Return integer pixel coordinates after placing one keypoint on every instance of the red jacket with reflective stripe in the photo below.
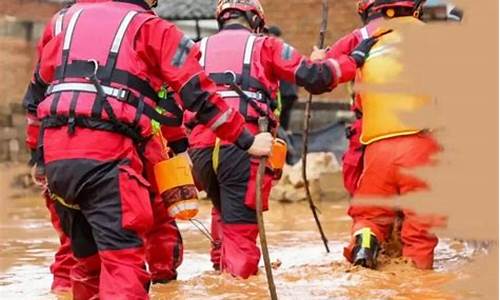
(158, 53)
(271, 60)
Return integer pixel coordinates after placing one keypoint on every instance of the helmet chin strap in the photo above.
(254, 21)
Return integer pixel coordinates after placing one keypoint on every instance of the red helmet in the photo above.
(251, 6)
(378, 5)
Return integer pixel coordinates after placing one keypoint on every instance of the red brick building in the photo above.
(300, 22)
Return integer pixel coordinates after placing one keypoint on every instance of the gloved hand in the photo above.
(262, 144)
(38, 176)
(361, 52)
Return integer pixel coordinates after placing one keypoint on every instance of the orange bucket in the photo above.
(173, 177)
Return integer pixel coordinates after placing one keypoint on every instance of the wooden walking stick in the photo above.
(307, 121)
(263, 126)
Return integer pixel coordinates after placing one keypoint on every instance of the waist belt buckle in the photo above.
(124, 95)
(259, 96)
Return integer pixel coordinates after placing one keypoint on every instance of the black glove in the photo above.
(362, 51)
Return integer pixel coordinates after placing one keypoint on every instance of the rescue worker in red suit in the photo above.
(164, 248)
(388, 147)
(256, 63)
(94, 92)
(352, 164)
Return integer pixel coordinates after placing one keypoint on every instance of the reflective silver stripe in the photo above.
(59, 23)
(203, 50)
(71, 28)
(233, 94)
(362, 54)
(222, 119)
(180, 206)
(286, 53)
(86, 87)
(247, 59)
(121, 31)
(182, 52)
(382, 50)
(338, 70)
(364, 33)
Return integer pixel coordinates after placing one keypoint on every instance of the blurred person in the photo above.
(381, 147)
(95, 103)
(247, 68)
(164, 248)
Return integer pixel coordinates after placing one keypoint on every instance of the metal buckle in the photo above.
(124, 95)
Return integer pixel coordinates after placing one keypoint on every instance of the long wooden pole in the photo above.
(263, 127)
(307, 121)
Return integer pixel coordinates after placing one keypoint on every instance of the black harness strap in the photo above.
(246, 72)
(139, 111)
(54, 104)
(72, 114)
(80, 67)
(125, 96)
(243, 80)
(92, 123)
(115, 47)
(68, 37)
(58, 26)
(253, 83)
(109, 74)
(105, 77)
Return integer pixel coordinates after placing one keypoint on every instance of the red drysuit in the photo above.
(97, 140)
(258, 63)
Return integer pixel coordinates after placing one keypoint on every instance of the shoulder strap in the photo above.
(203, 50)
(115, 47)
(58, 26)
(247, 62)
(68, 37)
(364, 33)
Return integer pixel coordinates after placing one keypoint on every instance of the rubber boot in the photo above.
(366, 249)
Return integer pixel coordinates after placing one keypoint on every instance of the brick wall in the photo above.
(32, 10)
(298, 19)
(19, 21)
(300, 22)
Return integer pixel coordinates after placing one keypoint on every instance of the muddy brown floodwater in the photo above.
(306, 271)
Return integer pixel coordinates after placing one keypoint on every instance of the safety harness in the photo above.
(244, 86)
(99, 80)
(251, 89)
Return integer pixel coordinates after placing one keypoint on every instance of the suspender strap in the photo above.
(139, 111)
(58, 26)
(72, 114)
(115, 47)
(54, 104)
(247, 62)
(80, 68)
(68, 37)
(246, 71)
(253, 83)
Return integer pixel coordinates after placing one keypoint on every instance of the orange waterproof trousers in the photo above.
(384, 175)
